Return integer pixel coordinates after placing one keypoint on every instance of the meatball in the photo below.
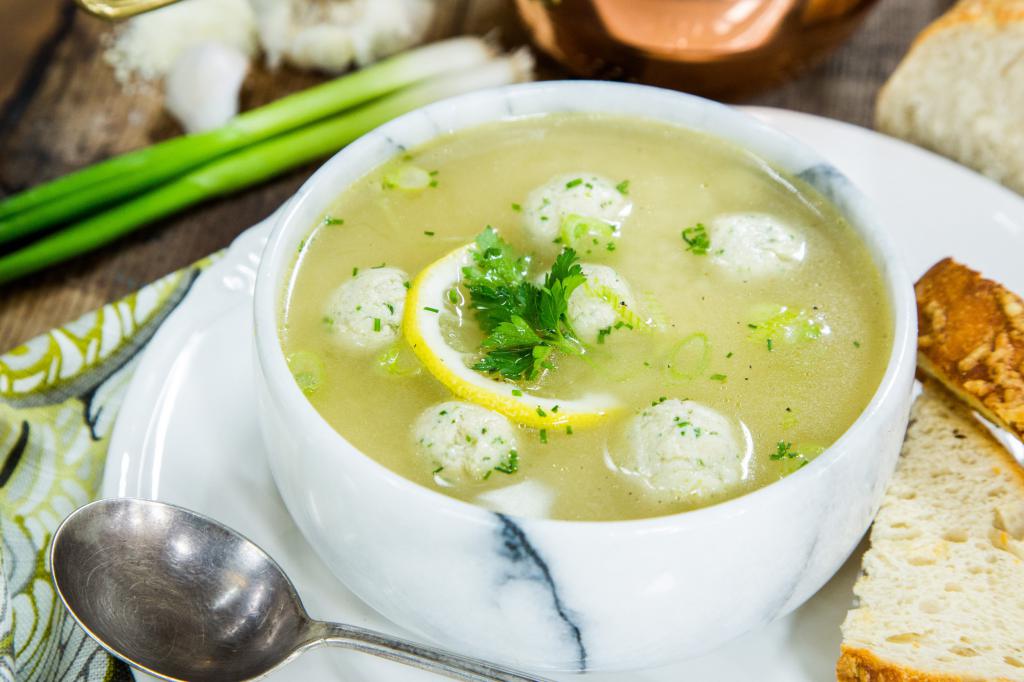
(366, 311)
(602, 302)
(755, 244)
(462, 441)
(577, 210)
(683, 449)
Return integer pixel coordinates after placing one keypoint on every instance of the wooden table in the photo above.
(62, 109)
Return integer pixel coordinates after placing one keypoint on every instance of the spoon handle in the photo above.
(428, 658)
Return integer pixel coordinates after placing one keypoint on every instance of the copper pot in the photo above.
(724, 49)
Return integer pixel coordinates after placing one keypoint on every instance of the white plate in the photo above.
(188, 434)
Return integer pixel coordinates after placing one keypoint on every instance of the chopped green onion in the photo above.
(308, 370)
(407, 177)
(690, 357)
(583, 233)
(398, 361)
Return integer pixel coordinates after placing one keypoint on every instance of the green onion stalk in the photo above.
(253, 165)
(99, 185)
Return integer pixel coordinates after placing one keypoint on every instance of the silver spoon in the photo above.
(182, 597)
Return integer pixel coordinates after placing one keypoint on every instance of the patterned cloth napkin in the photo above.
(59, 396)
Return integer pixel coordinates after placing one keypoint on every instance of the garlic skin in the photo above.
(203, 85)
(147, 46)
(333, 35)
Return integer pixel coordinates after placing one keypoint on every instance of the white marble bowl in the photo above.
(559, 595)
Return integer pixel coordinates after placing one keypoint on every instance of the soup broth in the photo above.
(731, 325)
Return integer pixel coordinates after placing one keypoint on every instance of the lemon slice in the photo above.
(421, 326)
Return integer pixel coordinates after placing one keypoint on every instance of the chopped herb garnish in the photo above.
(541, 412)
(568, 429)
(453, 296)
(787, 325)
(428, 233)
(697, 240)
(524, 323)
(431, 310)
(331, 220)
(554, 410)
(623, 187)
(438, 470)
(516, 207)
(378, 267)
(327, 320)
(856, 344)
(516, 392)
(376, 324)
(574, 183)
(769, 342)
(784, 450)
(355, 271)
(543, 435)
(406, 284)
(391, 308)
(718, 377)
(728, 355)
(602, 333)
(509, 465)
(302, 245)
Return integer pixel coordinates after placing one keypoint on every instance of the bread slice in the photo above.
(960, 89)
(971, 338)
(941, 595)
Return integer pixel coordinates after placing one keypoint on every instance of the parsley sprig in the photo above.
(524, 323)
(697, 240)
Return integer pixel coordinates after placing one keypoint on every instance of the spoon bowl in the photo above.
(182, 597)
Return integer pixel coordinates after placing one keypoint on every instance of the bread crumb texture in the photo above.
(960, 89)
(941, 594)
(971, 338)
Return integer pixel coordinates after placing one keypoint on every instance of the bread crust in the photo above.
(860, 665)
(995, 13)
(971, 338)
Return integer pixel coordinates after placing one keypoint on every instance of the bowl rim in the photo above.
(276, 265)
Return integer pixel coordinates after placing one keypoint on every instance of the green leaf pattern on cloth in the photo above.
(59, 395)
